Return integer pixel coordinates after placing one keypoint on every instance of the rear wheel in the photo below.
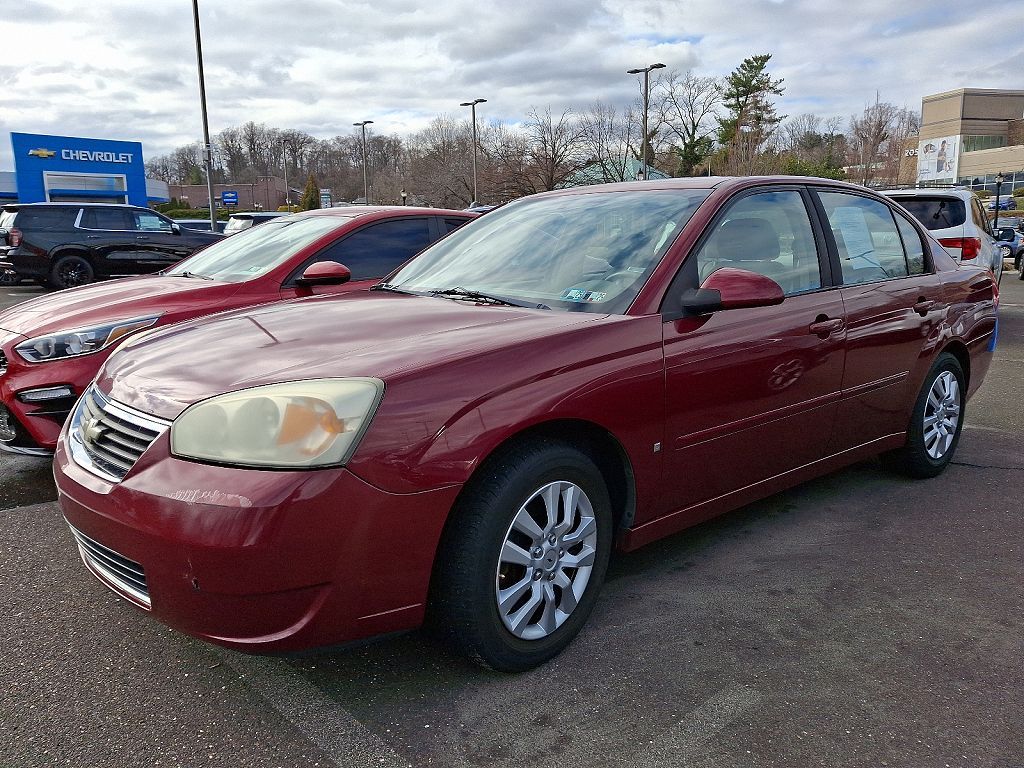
(524, 556)
(70, 272)
(936, 422)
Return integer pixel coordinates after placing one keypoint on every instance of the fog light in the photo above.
(7, 429)
(46, 393)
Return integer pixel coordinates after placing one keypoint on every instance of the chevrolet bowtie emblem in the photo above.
(93, 430)
(42, 152)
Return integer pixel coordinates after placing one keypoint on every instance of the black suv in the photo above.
(67, 244)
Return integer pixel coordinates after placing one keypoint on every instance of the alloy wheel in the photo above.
(941, 414)
(546, 560)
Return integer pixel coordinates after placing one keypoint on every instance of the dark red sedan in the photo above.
(52, 346)
(578, 370)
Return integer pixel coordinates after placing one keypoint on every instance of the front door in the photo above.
(752, 393)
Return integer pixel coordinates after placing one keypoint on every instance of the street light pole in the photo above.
(207, 147)
(643, 143)
(472, 106)
(287, 189)
(366, 187)
(999, 185)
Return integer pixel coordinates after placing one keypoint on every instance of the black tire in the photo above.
(464, 594)
(70, 272)
(914, 459)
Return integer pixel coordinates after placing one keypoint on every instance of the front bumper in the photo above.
(260, 560)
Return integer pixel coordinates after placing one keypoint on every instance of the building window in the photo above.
(974, 143)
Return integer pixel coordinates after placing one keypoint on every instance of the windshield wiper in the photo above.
(391, 287)
(190, 274)
(459, 292)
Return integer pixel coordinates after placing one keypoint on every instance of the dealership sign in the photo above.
(78, 168)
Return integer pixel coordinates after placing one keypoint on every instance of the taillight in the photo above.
(969, 247)
(14, 237)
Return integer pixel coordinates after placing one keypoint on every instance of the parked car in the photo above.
(1006, 203)
(597, 365)
(203, 225)
(7, 274)
(238, 222)
(955, 218)
(1010, 242)
(64, 245)
(52, 346)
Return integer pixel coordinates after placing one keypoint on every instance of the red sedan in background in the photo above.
(52, 346)
(580, 369)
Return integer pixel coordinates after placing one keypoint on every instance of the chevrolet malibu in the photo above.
(52, 347)
(578, 371)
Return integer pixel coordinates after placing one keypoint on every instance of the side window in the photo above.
(115, 219)
(450, 225)
(870, 247)
(979, 216)
(377, 249)
(768, 233)
(149, 222)
(912, 245)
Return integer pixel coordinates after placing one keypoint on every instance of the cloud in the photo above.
(126, 70)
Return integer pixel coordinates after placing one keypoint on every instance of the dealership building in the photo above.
(968, 137)
(73, 169)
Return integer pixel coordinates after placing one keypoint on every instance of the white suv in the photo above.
(955, 218)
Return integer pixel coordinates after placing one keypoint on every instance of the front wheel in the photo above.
(936, 422)
(524, 556)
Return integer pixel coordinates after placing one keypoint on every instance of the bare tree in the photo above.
(687, 108)
(604, 140)
(870, 133)
(555, 149)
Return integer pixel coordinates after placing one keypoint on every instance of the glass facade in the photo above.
(1011, 180)
(974, 143)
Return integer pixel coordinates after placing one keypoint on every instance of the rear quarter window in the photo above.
(935, 212)
(39, 218)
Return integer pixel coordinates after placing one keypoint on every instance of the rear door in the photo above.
(894, 302)
(159, 246)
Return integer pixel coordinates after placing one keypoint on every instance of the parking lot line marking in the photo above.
(342, 738)
(687, 740)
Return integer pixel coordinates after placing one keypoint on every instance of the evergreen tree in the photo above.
(310, 195)
(751, 118)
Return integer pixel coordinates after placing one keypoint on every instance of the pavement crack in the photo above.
(982, 466)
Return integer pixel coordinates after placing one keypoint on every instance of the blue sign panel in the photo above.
(73, 168)
(229, 197)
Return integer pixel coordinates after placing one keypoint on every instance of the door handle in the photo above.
(141, 237)
(92, 237)
(824, 326)
(923, 305)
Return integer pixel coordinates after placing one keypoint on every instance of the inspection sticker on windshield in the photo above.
(583, 296)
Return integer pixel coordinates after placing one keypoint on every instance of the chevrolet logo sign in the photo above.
(42, 152)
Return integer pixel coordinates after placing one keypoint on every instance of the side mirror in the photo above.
(175, 228)
(731, 288)
(324, 273)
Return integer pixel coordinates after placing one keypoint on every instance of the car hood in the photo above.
(387, 336)
(114, 300)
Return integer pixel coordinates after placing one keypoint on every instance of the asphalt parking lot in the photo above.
(859, 620)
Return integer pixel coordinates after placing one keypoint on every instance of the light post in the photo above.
(643, 143)
(472, 106)
(999, 185)
(287, 189)
(366, 187)
(207, 147)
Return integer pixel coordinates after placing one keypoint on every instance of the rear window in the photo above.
(38, 218)
(935, 212)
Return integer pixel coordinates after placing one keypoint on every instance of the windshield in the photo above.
(584, 252)
(258, 250)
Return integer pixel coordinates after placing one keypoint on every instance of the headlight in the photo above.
(84, 341)
(298, 424)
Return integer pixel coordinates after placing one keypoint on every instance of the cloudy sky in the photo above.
(125, 69)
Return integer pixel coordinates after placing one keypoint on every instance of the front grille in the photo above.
(124, 576)
(107, 437)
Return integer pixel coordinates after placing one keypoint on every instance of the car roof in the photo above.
(72, 205)
(350, 211)
(962, 194)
